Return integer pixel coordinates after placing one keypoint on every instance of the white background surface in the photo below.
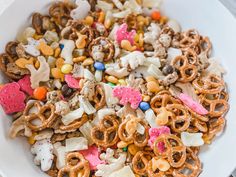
(229, 3)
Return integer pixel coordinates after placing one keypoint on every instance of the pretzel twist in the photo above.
(105, 135)
(187, 71)
(180, 119)
(108, 48)
(192, 164)
(140, 162)
(173, 145)
(45, 120)
(74, 169)
(134, 137)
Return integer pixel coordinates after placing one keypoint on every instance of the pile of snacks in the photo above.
(111, 89)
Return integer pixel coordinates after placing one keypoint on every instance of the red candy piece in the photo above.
(154, 133)
(92, 155)
(11, 98)
(128, 95)
(123, 34)
(71, 81)
(25, 85)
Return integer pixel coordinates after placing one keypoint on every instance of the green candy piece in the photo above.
(111, 84)
(125, 149)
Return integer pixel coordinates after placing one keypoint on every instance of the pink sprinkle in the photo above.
(123, 34)
(25, 85)
(156, 132)
(92, 155)
(71, 81)
(193, 105)
(11, 98)
(128, 95)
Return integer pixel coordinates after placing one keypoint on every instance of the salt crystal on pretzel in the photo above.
(71, 81)
(192, 139)
(43, 154)
(128, 95)
(92, 155)
(25, 85)
(123, 34)
(193, 105)
(8, 94)
(156, 132)
(82, 10)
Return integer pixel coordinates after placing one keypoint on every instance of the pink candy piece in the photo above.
(25, 85)
(123, 34)
(71, 81)
(128, 95)
(92, 155)
(193, 105)
(154, 133)
(11, 98)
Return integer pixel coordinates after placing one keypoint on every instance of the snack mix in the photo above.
(113, 88)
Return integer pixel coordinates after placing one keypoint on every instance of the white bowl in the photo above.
(210, 17)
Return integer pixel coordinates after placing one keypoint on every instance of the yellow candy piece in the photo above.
(45, 49)
(122, 82)
(31, 139)
(22, 62)
(66, 68)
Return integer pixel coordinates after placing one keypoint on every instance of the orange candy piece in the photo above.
(156, 15)
(40, 93)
